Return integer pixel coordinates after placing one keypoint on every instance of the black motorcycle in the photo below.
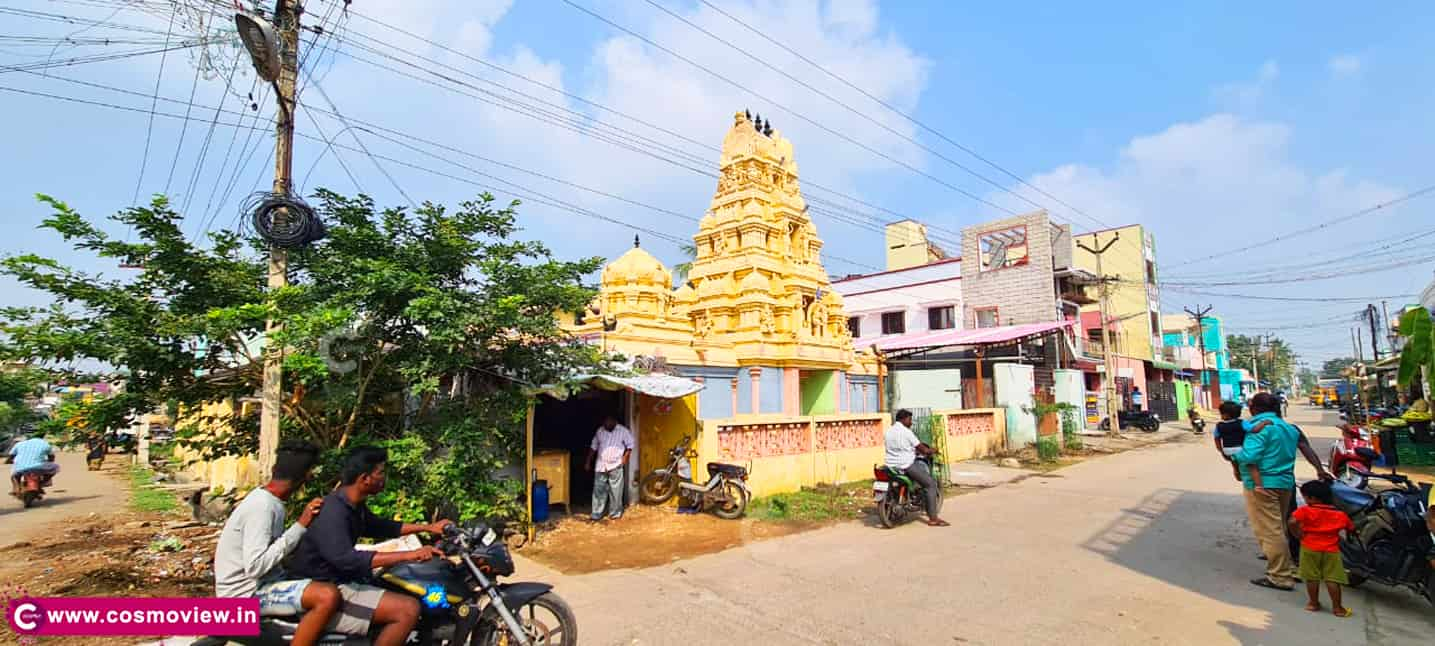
(462, 603)
(1391, 543)
(1144, 420)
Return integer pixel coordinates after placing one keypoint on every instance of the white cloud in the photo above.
(1242, 95)
(1344, 65)
(1195, 184)
(637, 79)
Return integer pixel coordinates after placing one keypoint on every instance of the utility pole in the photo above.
(286, 24)
(1256, 362)
(1113, 414)
(1213, 384)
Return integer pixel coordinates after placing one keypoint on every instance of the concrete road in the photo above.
(77, 491)
(1149, 546)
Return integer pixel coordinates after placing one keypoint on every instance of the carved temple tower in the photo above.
(757, 304)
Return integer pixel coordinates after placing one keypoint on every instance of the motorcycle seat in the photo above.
(715, 468)
(1349, 498)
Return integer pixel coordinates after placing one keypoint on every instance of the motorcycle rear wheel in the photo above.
(658, 488)
(736, 504)
(892, 510)
(1152, 427)
(539, 632)
(28, 498)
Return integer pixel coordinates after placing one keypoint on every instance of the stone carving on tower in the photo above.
(757, 293)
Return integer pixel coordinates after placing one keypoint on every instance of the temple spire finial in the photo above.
(636, 241)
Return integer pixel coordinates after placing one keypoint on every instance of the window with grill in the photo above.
(854, 325)
(894, 323)
(942, 318)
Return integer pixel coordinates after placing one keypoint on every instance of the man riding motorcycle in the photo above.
(902, 448)
(34, 454)
(327, 552)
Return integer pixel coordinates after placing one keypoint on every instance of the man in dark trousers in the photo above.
(327, 552)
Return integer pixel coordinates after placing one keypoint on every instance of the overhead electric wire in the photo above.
(1384, 243)
(1317, 227)
(208, 138)
(809, 183)
(845, 106)
(184, 128)
(791, 111)
(621, 138)
(899, 112)
(149, 129)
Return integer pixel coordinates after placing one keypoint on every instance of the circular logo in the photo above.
(333, 348)
(25, 616)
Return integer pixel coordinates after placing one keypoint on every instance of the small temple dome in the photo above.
(755, 282)
(709, 221)
(637, 266)
(685, 294)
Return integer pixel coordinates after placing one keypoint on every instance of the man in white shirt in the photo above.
(902, 448)
(607, 455)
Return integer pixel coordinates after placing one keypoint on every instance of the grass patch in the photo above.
(820, 504)
(146, 498)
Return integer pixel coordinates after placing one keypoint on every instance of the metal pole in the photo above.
(1213, 389)
(1112, 413)
(286, 16)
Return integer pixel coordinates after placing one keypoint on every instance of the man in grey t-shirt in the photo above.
(254, 541)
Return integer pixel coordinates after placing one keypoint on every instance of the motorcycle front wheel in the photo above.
(735, 505)
(658, 488)
(547, 619)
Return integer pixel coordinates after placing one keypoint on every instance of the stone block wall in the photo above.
(1022, 294)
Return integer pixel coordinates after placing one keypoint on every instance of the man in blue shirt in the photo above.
(34, 454)
(1272, 450)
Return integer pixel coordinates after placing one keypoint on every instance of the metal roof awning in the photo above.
(971, 337)
(654, 385)
(1164, 365)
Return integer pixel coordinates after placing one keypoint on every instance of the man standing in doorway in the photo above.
(607, 455)
(1138, 400)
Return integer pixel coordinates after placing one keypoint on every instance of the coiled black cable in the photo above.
(299, 224)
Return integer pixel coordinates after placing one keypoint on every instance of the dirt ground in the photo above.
(119, 553)
(644, 537)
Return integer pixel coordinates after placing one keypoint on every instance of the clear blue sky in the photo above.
(1216, 124)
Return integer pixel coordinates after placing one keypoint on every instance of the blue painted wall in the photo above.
(715, 400)
(859, 403)
(771, 390)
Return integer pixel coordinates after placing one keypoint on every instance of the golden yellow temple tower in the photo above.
(758, 308)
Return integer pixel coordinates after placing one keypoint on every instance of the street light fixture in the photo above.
(262, 42)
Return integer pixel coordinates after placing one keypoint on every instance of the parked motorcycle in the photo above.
(1351, 456)
(725, 492)
(661, 485)
(898, 496)
(461, 602)
(1391, 543)
(1141, 419)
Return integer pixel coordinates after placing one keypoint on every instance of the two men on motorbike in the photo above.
(325, 577)
(902, 448)
(34, 454)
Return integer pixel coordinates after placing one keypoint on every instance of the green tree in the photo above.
(682, 269)
(1419, 350)
(16, 389)
(416, 331)
(1273, 356)
(1307, 379)
(1335, 368)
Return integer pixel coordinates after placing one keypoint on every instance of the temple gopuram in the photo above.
(758, 309)
(756, 322)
